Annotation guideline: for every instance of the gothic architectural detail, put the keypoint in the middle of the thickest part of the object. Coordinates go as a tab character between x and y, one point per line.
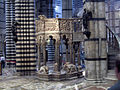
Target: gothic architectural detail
59	32
43	70
69	68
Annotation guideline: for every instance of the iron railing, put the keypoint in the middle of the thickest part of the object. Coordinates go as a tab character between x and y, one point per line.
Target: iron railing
112	39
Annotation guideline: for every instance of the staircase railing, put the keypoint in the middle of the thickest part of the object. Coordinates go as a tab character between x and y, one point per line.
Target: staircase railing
112	39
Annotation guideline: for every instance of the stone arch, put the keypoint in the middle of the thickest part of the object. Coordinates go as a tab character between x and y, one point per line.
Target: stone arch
50	48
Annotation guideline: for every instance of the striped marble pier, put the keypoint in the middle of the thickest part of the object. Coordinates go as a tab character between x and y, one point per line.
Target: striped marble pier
10	44
25	46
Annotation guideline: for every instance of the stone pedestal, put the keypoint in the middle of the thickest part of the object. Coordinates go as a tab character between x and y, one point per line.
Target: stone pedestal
95	47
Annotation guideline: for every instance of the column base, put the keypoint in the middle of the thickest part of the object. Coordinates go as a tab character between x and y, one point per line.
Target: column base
95	80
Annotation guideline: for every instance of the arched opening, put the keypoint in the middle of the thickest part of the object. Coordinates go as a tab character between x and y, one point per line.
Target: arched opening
63	49
50	49
79	54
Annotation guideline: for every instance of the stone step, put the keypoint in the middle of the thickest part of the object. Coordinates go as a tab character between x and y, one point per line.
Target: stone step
111	61
111	75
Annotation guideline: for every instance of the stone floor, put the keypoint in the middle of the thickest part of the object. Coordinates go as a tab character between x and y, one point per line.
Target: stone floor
9	81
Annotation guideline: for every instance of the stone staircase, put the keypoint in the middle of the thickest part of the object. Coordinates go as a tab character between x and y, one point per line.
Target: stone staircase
111	75
113	41
111	63
111	58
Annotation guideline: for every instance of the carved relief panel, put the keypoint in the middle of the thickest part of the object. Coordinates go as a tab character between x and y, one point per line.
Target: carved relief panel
65	25
51	25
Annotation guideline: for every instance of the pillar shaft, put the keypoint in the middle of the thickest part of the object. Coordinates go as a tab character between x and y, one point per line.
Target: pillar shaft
71	53
95	47
73	56
57	54
26	46
10	44
67	59
2	28
67	8
39	56
78	55
44	52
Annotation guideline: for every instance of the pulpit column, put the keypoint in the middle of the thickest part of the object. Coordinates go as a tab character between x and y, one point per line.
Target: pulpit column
57	54
39	54
78	55
74	53
44	52
71	53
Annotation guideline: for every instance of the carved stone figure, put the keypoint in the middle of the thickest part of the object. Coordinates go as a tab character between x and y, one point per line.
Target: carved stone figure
42	17
43	70
69	68
86	17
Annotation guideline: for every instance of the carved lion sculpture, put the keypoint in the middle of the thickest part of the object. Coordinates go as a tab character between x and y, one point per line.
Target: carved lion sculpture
69	68
43	70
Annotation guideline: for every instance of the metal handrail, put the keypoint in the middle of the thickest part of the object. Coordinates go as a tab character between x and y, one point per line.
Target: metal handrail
112	38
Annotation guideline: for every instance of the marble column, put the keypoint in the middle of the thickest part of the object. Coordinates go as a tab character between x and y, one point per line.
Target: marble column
67	8
39	56
26	45
74	53
10	44
67	59
78	55
57	55
71	53
95	47
44	52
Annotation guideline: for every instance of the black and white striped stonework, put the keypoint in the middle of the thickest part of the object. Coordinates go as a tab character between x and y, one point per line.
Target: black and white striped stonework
2	27
10	44
25	47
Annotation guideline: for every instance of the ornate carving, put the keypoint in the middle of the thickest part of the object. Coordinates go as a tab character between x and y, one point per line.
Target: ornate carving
42	17
56	28
64	25
51	25
43	70
40	26
69	68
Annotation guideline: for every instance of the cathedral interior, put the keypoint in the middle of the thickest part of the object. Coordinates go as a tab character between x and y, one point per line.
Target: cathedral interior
59	44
